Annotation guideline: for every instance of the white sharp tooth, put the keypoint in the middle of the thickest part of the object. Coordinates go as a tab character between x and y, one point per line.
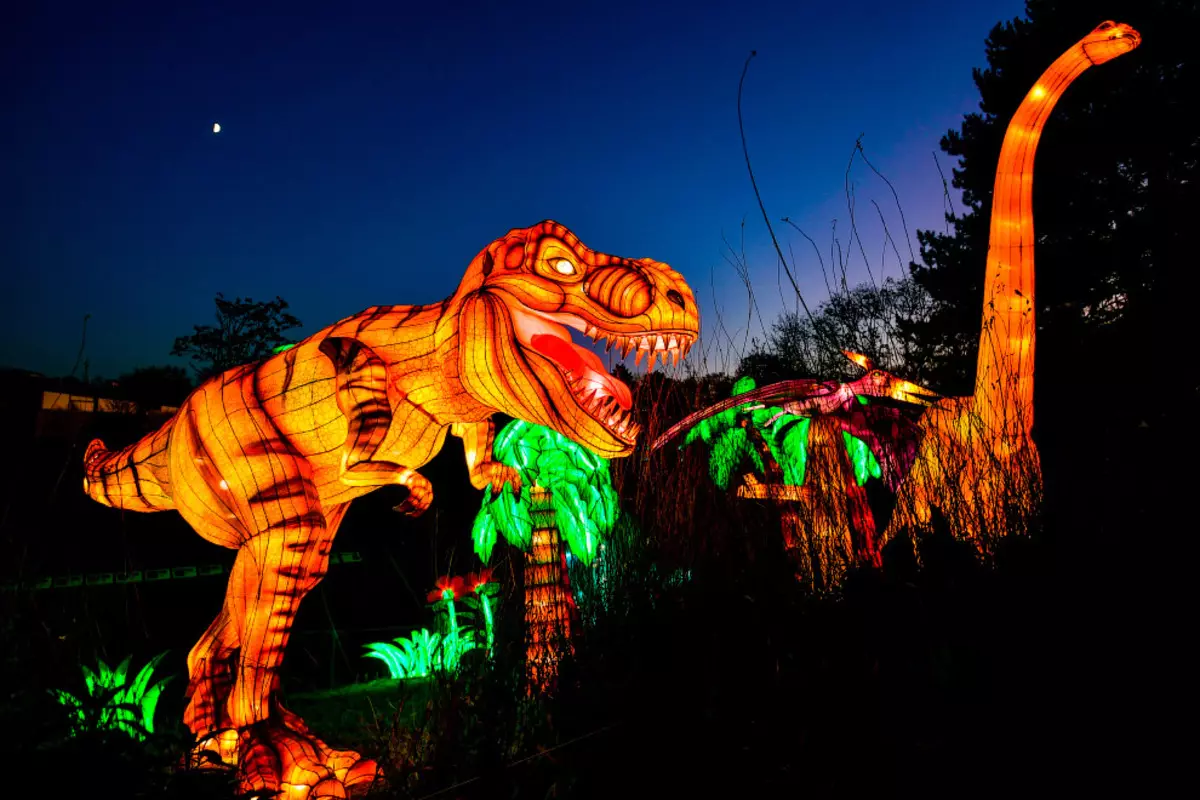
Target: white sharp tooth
659	344
675	357
644	343
626	346
672	343
607	344
687	347
637	359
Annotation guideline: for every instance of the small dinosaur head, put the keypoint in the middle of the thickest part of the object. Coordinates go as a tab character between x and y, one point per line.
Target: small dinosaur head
520	300
1109	40
881	383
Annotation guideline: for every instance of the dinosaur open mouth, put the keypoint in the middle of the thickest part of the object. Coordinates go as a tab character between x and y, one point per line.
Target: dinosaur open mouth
605	398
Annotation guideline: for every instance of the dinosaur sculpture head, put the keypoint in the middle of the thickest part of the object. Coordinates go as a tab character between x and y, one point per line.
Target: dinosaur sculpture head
881	383
1109	40
519	303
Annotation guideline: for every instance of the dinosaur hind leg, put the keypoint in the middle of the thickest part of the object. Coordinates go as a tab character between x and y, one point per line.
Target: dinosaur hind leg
210	674
273	572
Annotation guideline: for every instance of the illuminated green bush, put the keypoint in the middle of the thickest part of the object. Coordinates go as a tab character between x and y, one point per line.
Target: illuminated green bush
113	701
426	652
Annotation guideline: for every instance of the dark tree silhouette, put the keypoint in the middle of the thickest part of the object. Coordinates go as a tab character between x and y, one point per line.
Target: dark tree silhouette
246	331
873	319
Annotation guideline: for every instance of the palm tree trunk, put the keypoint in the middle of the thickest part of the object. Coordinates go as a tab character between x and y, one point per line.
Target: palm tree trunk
548	599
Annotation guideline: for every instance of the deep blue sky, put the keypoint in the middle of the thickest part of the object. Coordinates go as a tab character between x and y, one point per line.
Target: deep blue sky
369	150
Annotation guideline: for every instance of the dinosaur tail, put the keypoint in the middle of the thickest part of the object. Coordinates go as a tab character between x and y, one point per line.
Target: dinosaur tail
135	478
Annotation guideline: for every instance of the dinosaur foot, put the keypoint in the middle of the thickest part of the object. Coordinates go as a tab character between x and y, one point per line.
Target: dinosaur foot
281	757
217	750
272	757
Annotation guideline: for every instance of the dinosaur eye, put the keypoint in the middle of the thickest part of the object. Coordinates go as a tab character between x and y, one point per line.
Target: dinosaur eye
562	266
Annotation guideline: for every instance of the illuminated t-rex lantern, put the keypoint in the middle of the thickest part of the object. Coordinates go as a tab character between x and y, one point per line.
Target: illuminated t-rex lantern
266	457
978	464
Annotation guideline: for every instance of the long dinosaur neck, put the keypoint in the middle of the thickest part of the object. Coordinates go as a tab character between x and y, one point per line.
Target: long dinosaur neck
1004	374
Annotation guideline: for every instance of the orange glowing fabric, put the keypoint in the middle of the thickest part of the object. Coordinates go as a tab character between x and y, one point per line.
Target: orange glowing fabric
978	464
266	457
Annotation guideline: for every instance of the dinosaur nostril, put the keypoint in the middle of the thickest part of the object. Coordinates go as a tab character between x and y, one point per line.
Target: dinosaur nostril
675	297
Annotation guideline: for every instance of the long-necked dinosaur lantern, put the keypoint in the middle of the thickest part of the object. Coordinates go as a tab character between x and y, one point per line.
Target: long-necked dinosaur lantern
972	459
266	457
978	465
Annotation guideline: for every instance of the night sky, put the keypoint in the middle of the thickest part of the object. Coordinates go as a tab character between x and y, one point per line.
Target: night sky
369	150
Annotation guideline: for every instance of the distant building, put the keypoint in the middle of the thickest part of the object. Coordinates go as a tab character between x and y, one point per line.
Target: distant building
66	414
62	408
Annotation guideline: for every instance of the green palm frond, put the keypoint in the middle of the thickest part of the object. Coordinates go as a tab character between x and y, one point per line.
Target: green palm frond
730	450
864	461
391	655
787	438
483	534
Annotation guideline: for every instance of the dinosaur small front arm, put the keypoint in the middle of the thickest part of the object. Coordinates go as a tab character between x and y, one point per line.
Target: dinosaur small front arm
483	470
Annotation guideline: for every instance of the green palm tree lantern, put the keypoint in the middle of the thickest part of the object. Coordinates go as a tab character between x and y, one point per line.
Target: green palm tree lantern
747	440
773	451
567	497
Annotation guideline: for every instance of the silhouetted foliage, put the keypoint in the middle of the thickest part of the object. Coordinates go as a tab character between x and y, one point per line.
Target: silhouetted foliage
873	319
766	365
245	331
154	387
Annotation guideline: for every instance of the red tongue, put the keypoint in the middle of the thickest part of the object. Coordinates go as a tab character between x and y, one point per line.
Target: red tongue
560	351
580	362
